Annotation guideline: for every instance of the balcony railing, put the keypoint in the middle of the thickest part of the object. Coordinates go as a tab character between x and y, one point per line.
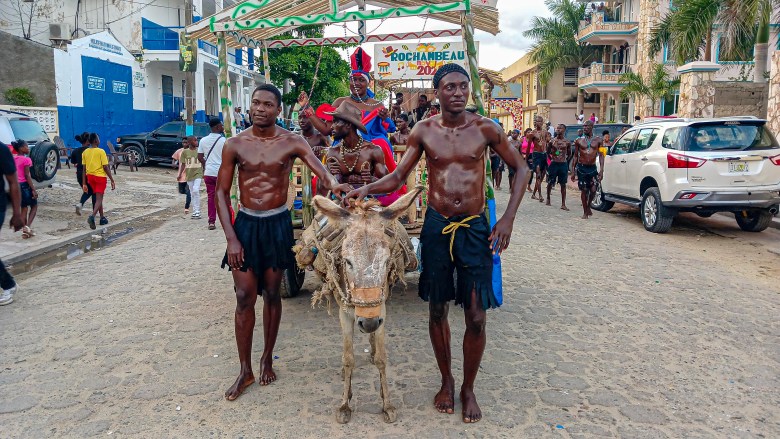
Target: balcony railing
603	74
598	25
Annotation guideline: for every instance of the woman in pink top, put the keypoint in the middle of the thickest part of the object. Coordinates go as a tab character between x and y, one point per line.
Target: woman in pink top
29	194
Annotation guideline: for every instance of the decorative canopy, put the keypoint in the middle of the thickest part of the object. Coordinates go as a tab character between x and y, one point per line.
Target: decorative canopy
250	22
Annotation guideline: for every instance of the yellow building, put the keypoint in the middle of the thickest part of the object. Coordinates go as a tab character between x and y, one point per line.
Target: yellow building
561	91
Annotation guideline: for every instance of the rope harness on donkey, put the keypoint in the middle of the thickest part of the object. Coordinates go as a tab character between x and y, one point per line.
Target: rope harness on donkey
320	249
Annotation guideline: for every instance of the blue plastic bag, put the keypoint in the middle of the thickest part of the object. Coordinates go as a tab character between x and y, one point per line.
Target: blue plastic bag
498	288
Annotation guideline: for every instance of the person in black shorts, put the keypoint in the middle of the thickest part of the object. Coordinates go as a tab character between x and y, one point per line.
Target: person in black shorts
586	150
539	156
558	171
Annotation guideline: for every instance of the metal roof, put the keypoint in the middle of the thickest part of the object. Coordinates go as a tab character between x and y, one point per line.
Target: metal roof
485	19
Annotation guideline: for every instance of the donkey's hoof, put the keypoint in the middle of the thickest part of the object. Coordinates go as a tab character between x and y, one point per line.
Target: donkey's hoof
344	414
390	414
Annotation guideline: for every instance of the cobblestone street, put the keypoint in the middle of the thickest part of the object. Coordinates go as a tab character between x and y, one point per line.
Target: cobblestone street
606	331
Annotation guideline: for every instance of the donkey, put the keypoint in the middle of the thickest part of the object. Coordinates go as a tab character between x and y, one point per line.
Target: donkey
375	252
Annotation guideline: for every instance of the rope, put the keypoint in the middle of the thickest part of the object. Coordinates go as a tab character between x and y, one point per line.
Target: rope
451	228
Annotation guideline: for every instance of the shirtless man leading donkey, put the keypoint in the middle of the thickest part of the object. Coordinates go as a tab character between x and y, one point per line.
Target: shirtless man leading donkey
259	244
456	234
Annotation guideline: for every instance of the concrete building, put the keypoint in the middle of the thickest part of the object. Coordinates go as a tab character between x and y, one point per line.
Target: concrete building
560	90
623	28
134	45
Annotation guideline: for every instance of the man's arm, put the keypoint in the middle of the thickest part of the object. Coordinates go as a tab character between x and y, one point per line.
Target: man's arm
202	160
601	160
397	178
380	168
502	231
235	251
304	152
573	169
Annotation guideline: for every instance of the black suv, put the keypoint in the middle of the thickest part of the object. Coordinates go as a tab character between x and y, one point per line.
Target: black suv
160	144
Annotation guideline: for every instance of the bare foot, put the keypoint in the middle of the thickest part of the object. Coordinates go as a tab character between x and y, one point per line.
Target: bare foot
267	375
444	401
564	207
548	202
242	382
584	216
533	197
541	200
471	411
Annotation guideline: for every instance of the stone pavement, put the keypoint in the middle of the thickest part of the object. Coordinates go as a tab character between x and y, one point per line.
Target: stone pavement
607	331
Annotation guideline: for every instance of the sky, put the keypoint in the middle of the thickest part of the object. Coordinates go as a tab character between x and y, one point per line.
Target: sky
495	52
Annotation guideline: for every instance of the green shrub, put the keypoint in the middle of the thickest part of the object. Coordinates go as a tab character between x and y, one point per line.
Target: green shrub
20	96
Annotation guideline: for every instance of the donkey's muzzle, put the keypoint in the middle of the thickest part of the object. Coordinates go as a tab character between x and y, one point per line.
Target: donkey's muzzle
369	325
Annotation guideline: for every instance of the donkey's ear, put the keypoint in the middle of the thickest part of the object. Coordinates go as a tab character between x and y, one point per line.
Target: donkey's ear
329	208
398	208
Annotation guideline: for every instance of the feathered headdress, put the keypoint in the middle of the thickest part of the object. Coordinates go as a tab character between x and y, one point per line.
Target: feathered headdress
361	63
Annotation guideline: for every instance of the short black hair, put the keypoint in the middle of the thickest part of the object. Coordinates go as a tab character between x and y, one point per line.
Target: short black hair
270	88
399	94
605	132
637	118
445	70
214	121
404	116
424	97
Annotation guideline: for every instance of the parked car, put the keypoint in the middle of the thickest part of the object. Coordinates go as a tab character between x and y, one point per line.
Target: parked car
44	153
160	144
694	165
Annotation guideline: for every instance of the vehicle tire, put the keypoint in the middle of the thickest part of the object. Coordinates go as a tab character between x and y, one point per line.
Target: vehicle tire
599	203
292	281
753	220
655	217
46	159
136	152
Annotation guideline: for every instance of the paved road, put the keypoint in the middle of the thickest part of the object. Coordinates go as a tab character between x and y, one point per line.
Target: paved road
607	331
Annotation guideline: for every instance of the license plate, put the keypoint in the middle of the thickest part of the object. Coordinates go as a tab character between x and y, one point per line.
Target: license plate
738	167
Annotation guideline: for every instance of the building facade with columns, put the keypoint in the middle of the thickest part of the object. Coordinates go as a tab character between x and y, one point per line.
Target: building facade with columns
624	30
117	63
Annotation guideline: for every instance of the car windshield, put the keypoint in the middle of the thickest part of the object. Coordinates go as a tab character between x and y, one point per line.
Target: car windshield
730	136
28	129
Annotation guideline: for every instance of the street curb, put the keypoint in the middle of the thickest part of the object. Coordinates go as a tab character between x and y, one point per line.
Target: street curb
64	243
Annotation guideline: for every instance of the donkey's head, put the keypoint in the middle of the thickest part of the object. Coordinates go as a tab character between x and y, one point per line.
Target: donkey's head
366	252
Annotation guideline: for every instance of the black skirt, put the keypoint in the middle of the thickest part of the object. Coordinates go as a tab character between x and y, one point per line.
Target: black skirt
267	241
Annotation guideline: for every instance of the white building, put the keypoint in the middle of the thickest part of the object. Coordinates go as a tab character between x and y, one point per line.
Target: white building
117	63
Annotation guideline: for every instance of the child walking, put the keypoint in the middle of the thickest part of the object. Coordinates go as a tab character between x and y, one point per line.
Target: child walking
184	188
97	172
28	192
191	168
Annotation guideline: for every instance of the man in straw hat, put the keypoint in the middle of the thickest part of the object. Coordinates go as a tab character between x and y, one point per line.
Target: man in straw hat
259	244
353	160
456	234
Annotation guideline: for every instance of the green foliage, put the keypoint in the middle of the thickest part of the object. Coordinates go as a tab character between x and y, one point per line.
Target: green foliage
555	39
299	63
20	96
659	86
689	27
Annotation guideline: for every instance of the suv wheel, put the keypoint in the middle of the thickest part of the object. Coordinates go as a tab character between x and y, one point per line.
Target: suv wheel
599	203
136	153
655	217
753	220
292	281
46	159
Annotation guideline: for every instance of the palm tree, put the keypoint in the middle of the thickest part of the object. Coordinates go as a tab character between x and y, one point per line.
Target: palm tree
659	85
556	45
743	24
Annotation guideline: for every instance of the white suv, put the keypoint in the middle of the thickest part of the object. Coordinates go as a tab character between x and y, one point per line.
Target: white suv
44	154
694	165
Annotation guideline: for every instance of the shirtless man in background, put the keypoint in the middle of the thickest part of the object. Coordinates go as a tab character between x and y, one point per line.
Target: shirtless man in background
586	151
539	156
259	244
319	143
559	150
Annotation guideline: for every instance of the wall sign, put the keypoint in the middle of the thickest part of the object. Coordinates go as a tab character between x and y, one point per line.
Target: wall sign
139	80
105	46
417	61
96	83
119	87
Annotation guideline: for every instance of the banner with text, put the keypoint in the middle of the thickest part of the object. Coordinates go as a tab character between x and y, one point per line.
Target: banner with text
417	61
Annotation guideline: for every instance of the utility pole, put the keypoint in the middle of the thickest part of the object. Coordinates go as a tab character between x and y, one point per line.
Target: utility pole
189	79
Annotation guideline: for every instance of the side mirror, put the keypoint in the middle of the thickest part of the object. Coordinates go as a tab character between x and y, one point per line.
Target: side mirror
154	134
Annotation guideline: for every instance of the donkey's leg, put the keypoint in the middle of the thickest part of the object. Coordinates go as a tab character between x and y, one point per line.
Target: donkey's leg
380	361
348	361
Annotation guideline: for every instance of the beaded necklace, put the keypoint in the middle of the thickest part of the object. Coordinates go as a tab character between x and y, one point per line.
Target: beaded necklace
357	148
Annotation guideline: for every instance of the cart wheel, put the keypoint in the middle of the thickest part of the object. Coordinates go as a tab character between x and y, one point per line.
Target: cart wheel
292	281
